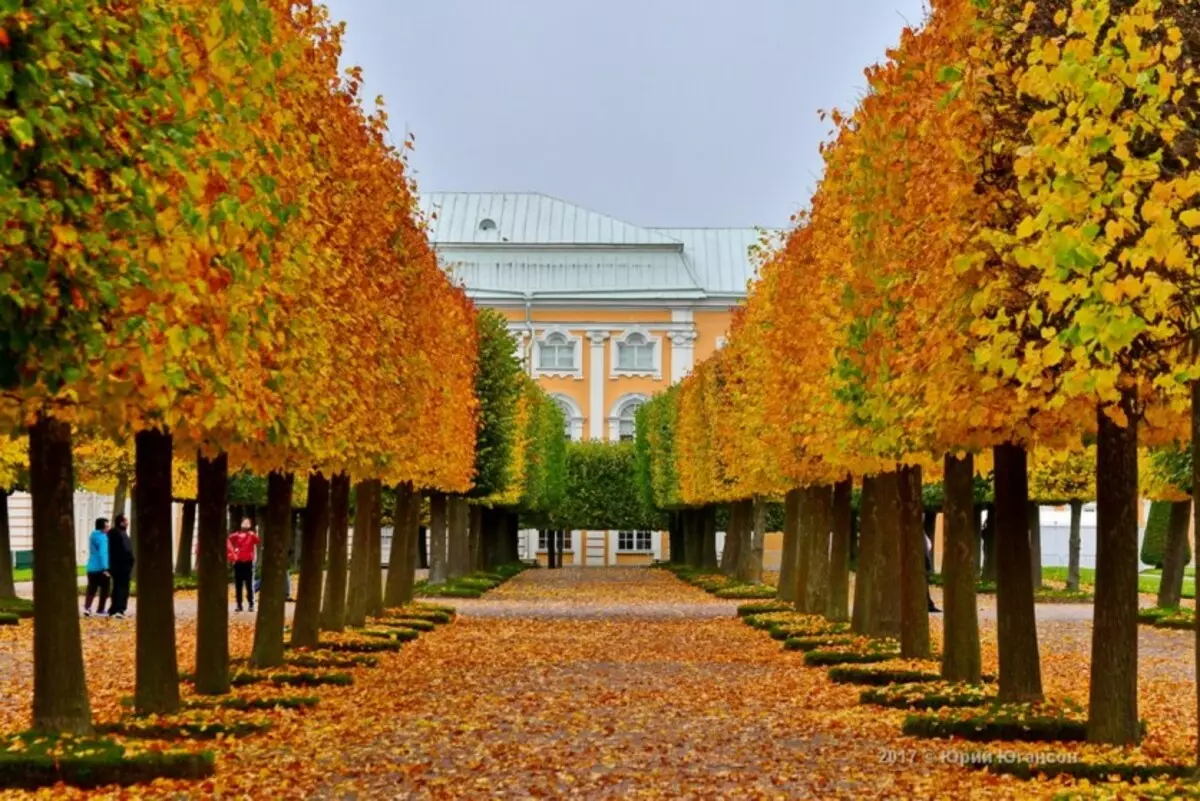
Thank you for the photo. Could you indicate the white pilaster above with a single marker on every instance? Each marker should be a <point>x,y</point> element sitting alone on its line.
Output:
<point>683,354</point>
<point>596,373</point>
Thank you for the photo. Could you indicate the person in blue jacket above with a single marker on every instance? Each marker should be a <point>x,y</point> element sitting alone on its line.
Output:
<point>97,567</point>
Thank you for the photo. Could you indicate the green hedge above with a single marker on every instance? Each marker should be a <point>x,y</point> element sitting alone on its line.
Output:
<point>761,591</point>
<point>41,761</point>
<point>879,676</point>
<point>1048,722</point>
<point>763,607</point>
<point>929,695</point>
<point>21,607</point>
<point>397,633</point>
<point>827,657</point>
<point>9,618</point>
<point>1159,617</point>
<point>325,661</point>
<point>248,704</point>
<point>602,491</point>
<point>1154,543</point>
<point>813,643</point>
<point>363,646</point>
<point>182,730</point>
<point>1100,772</point>
<point>437,616</point>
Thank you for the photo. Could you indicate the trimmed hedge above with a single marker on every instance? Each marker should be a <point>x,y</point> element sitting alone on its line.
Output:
<point>788,631</point>
<point>1045,722</point>
<point>183,729</point>
<point>306,678</point>
<point>878,651</point>
<point>763,607</point>
<point>449,590</point>
<point>1182,618</point>
<point>1097,771</point>
<point>812,643</point>
<point>316,660</point>
<point>247,704</point>
<point>435,616</point>
<point>21,607</point>
<point>30,762</point>
<point>763,591</point>
<point>397,633</point>
<point>363,646</point>
<point>879,675</point>
<point>929,695</point>
<point>9,618</point>
<point>414,623</point>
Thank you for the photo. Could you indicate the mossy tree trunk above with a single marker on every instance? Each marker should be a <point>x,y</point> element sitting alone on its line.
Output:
<point>731,554</point>
<point>375,566</point>
<point>788,556</point>
<point>60,696</point>
<point>864,617</point>
<point>306,622</point>
<point>333,602</point>
<point>401,560</point>
<point>360,556</point>
<point>458,549</point>
<point>887,586</point>
<point>708,537</point>
<point>8,585</point>
<point>1020,664</point>
<point>268,626</point>
<point>183,557</point>
<point>838,607</point>
<point>157,688</point>
<point>1112,700</point>
<point>960,646</point>
<point>1035,544</point>
<point>1170,588</point>
<point>1074,545</point>
<point>914,589</point>
<point>438,569</point>
<point>820,521</point>
<point>212,580</point>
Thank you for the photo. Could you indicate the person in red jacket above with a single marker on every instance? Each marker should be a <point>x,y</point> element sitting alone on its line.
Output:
<point>240,547</point>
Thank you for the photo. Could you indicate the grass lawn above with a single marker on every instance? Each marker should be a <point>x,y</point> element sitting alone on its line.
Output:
<point>1148,579</point>
<point>26,573</point>
<point>1087,575</point>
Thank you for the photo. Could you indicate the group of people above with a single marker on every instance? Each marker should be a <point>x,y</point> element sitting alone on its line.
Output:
<point>110,562</point>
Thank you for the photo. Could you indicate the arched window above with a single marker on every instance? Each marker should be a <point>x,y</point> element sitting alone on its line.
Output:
<point>556,353</point>
<point>627,419</point>
<point>572,416</point>
<point>635,352</point>
<point>568,416</point>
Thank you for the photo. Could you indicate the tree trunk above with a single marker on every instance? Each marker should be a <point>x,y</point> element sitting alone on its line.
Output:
<point>757,510</point>
<point>746,557</point>
<point>401,560</point>
<point>1020,664</point>
<point>183,557</point>
<point>1113,701</point>
<point>837,608</point>
<point>375,568</point>
<point>8,586</point>
<point>1170,588</point>
<point>212,568</point>
<point>1074,543</point>
<point>695,536</point>
<point>1035,544</point>
<point>988,536</point>
<point>475,537</point>
<point>864,618</point>
<point>731,555</point>
<point>914,589</point>
<point>120,495</point>
<point>268,626</point>
<point>803,558</point>
<point>60,696</point>
<point>422,545</point>
<point>821,521</point>
<point>459,550</point>
<point>157,687</point>
<point>438,569</point>
<point>675,539</point>
<point>960,646</point>
<point>360,556</point>
<point>1195,410</point>
<point>306,620</point>
<point>333,602</point>
<point>788,557</point>
<point>887,585</point>
<point>552,555</point>
<point>708,537</point>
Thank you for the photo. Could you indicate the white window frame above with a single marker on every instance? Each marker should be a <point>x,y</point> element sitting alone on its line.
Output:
<point>574,416</point>
<point>633,537</point>
<point>568,542</point>
<point>653,340</point>
<point>618,408</point>
<point>574,340</point>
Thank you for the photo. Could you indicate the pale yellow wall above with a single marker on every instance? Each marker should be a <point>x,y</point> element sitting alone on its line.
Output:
<point>709,326</point>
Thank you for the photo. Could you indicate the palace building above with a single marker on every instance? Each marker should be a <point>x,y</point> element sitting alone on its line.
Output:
<point>605,312</point>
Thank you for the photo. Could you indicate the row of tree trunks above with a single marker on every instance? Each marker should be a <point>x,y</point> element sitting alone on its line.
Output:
<point>815,527</point>
<point>914,589</point>
<point>8,586</point>
<point>360,556</point>
<point>1020,666</point>
<point>747,567</point>
<point>183,557</point>
<point>1170,588</point>
<point>786,591</point>
<point>212,580</point>
<point>403,556</point>
<point>838,607</point>
<point>888,596</point>
<point>156,690</point>
<point>306,622</point>
<point>268,626</point>
<point>333,601</point>
<point>960,646</point>
<point>864,618</point>
<point>554,548</point>
<point>475,537</point>
<point>731,555</point>
<point>438,569</point>
<point>375,563</point>
<point>458,547</point>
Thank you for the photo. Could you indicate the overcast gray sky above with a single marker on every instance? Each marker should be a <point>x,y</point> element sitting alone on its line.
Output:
<point>659,112</point>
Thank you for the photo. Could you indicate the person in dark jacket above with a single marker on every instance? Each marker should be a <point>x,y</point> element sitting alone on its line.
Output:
<point>120,566</point>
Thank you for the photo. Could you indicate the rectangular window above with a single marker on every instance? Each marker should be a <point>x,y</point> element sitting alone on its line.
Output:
<point>635,356</point>
<point>635,541</point>
<point>556,355</point>
<point>565,541</point>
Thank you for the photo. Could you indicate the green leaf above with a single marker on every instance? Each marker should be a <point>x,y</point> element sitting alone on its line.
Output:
<point>21,130</point>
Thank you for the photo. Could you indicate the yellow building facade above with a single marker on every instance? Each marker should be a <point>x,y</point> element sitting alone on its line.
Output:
<point>604,313</point>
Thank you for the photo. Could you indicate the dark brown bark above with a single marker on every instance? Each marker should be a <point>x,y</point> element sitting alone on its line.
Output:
<point>889,528</point>
<point>803,562</point>
<point>551,549</point>
<point>788,556</point>
<point>864,617</point>
<point>745,566</point>
<point>1112,700</point>
<point>157,688</point>
<point>1035,544</point>
<point>120,495</point>
<point>731,553</point>
<point>757,512</point>
<point>914,591</point>
<point>838,607</point>
<point>60,696</point>
<point>8,586</point>
<point>360,556</point>
<point>212,579</point>
<point>960,646</point>
<point>675,539</point>
<point>708,537</point>
<point>1074,543</point>
<point>1170,588</point>
<point>1195,411</point>
<point>183,557</point>
<point>333,602</point>
<point>375,567</point>
<point>990,567</point>
<point>1020,664</point>
<point>437,538</point>
<point>458,549</point>
<point>268,626</point>
<point>475,537</point>
<point>821,514</point>
<point>423,548</point>
<point>403,553</point>
<point>693,531</point>
<point>306,620</point>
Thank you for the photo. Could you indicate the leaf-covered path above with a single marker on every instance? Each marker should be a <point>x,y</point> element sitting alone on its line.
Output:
<point>601,683</point>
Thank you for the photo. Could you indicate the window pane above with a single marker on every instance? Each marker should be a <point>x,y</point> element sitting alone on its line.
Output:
<point>625,357</point>
<point>645,357</point>
<point>643,541</point>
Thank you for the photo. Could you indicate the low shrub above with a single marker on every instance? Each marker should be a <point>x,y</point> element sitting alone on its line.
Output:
<point>1060,595</point>
<point>241,704</point>
<point>1098,772</point>
<point>320,660</point>
<point>435,616</point>
<point>1062,721</point>
<point>363,646</point>
<point>168,729</point>
<point>763,607</point>
<point>21,607</point>
<point>29,761</point>
<point>239,678</point>
<point>929,695</point>
<point>761,591</point>
<point>307,678</point>
<point>860,652</point>
<point>813,642</point>
<point>450,590</point>
<point>9,618</point>
<point>414,623</point>
<point>883,673</point>
<point>397,633</point>
<point>822,628</point>
<point>773,620</point>
<point>1168,618</point>
<point>476,582</point>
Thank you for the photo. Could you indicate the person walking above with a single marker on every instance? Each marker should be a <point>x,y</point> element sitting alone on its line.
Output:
<point>240,547</point>
<point>97,567</point>
<point>120,566</point>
